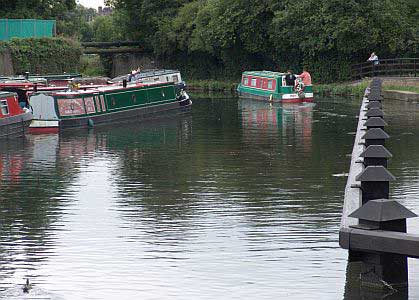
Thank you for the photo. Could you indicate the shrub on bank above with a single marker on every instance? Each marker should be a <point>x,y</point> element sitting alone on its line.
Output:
<point>91,65</point>
<point>44,55</point>
<point>342,89</point>
<point>212,85</point>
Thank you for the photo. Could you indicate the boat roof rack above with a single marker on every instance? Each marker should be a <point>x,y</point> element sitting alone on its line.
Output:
<point>264,73</point>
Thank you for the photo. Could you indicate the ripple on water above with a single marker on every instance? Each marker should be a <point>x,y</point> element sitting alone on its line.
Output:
<point>240,200</point>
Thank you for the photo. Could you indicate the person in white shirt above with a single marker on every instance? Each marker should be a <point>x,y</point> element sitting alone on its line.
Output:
<point>373,58</point>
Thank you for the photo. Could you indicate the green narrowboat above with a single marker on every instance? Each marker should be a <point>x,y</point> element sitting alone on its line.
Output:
<point>57,110</point>
<point>272,86</point>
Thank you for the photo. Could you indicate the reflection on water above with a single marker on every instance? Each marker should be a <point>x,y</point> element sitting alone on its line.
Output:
<point>292,119</point>
<point>236,201</point>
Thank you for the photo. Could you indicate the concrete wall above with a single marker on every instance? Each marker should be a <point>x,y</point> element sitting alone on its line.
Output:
<point>401,95</point>
<point>403,81</point>
<point>124,63</point>
<point>6,64</point>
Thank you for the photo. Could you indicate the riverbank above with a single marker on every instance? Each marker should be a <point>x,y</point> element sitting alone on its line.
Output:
<point>355,89</point>
<point>212,85</point>
<point>91,66</point>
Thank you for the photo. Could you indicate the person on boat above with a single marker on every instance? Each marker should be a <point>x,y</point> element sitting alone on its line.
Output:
<point>374,59</point>
<point>131,76</point>
<point>290,78</point>
<point>305,77</point>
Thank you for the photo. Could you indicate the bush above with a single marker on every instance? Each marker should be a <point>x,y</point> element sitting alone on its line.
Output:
<point>342,89</point>
<point>212,85</point>
<point>45,55</point>
<point>91,65</point>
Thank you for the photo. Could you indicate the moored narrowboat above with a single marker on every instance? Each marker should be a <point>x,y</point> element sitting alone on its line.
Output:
<point>14,120</point>
<point>272,86</point>
<point>153,75</point>
<point>55,111</point>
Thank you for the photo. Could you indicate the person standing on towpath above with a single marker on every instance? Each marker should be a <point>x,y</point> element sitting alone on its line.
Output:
<point>373,58</point>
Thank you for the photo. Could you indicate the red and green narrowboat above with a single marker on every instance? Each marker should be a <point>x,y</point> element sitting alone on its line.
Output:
<point>58,110</point>
<point>14,120</point>
<point>272,86</point>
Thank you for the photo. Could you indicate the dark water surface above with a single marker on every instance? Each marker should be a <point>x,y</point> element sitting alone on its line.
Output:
<point>237,200</point>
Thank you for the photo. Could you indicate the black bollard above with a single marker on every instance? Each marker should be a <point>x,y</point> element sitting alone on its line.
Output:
<point>381,270</point>
<point>374,104</point>
<point>375,94</point>
<point>375,136</point>
<point>374,112</point>
<point>375,122</point>
<point>376,155</point>
<point>124,83</point>
<point>375,183</point>
<point>375,97</point>
<point>383,214</point>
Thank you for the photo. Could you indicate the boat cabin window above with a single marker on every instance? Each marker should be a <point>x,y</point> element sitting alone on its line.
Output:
<point>4,107</point>
<point>270,84</point>
<point>245,81</point>
<point>175,78</point>
<point>253,82</point>
<point>264,84</point>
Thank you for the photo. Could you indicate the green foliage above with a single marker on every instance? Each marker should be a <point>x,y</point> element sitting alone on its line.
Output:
<point>91,65</point>
<point>343,89</point>
<point>36,9</point>
<point>329,35</point>
<point>212,85</point>
<point>105,29</point>
<point>72,20</point>
<point>229,36</point>
<point>221,38</point>
<point>358,89</point>
<point>44,56</point>
<point>76,23</point>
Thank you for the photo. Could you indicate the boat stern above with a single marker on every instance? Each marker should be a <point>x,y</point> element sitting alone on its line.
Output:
<point>44,126</point>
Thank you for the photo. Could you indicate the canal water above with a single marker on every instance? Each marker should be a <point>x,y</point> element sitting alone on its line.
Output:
<point>236,200</point>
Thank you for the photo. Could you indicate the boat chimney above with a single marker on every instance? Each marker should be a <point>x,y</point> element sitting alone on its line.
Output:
<point>124,83</point>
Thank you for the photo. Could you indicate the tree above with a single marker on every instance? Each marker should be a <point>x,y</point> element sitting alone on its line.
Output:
<point>326,35</point>
<point>330,34</point>
<point>44,9</point>
<point>77,23</point>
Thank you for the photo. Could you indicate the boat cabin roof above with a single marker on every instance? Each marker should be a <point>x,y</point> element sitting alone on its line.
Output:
<point>37,77</point>
<point>146,74</point>
<point>270,74</point>
<point>156,72</point>
<point>105,88</point>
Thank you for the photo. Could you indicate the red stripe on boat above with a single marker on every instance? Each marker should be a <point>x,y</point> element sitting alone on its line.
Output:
<point>43,130</point>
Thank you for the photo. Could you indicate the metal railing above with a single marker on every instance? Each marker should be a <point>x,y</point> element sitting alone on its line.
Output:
<point>386,67</point>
